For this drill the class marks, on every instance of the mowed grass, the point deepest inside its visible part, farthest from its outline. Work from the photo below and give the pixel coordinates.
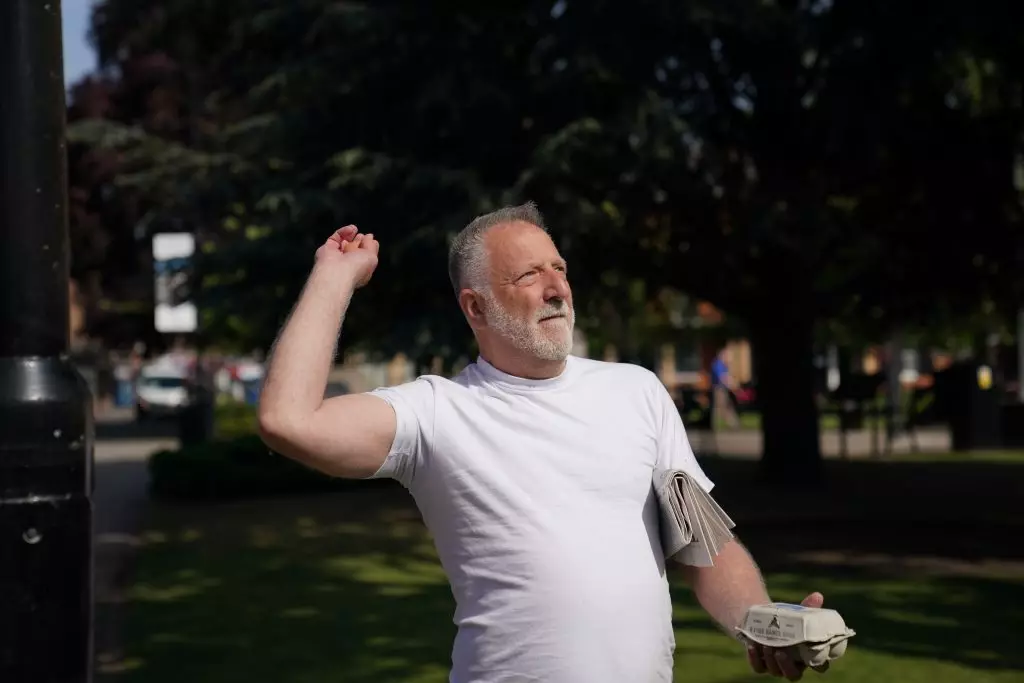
(347, 588)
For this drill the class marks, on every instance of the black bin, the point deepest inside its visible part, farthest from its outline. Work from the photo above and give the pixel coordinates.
(1012, 422)
(968, 400)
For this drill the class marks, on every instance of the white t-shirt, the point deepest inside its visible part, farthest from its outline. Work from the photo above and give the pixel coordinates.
(539, 496)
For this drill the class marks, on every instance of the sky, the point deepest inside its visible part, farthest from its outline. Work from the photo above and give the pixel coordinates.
(79, 57)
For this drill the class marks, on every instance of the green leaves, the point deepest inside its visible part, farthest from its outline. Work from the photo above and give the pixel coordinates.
(744, 153)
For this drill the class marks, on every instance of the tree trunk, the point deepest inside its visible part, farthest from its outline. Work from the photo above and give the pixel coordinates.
(783, 354)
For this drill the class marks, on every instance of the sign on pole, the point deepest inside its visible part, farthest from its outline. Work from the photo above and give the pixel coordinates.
(174, 311)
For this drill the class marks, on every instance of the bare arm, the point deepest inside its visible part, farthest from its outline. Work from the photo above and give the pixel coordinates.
(727, 590)
(346, 436)
(730, 587)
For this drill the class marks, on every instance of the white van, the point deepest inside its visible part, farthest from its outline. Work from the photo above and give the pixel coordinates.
(160, 390)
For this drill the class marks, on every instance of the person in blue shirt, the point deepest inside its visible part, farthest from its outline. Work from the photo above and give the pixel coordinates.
(722, 392)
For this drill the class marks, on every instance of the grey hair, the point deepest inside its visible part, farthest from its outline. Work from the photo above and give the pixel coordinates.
(467, 259)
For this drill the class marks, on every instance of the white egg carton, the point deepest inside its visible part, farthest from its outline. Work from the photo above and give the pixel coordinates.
(812, 635)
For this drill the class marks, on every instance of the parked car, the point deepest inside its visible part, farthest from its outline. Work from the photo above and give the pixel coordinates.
(160, 390)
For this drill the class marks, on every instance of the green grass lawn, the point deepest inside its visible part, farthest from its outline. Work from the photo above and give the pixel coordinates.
(347, 588)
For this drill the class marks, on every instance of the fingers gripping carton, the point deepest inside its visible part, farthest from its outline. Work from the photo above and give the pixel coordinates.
(814, 636)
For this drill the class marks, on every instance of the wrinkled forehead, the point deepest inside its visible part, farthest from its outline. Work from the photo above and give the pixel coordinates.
(516, 246)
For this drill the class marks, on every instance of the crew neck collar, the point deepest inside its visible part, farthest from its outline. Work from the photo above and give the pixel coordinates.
(495, 375)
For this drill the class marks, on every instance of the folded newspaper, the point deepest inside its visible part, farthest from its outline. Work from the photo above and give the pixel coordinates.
(813, 635)
(693, 526)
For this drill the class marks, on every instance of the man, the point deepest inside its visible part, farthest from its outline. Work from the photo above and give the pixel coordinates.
(532, 469)
(723, 390)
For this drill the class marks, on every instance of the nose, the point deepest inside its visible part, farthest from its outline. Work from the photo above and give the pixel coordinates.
(556, 287)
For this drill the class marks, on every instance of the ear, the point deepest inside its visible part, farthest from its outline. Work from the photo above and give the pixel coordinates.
(472, 305)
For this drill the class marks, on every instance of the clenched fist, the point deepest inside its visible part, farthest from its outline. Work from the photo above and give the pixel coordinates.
(348, 248)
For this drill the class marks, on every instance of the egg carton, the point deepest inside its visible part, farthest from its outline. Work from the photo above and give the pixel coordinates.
(813, 635)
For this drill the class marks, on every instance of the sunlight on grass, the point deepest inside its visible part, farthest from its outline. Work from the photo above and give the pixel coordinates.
(379, 568)
(260, 593)
(185, 584)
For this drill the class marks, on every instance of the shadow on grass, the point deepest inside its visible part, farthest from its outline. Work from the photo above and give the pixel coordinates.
(300, 596)
(347, 587)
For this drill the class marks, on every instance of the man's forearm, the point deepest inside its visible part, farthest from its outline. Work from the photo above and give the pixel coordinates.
(729, 588)
(304, 352)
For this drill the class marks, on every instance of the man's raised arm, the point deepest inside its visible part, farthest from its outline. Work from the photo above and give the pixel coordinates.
(345, 436)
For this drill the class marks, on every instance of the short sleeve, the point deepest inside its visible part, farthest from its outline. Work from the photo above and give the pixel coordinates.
(413, 403)
(674, 451)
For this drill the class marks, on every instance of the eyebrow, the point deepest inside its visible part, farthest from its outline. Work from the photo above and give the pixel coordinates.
(539, 264)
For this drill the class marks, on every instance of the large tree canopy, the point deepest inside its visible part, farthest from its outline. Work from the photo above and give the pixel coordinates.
(792, 162)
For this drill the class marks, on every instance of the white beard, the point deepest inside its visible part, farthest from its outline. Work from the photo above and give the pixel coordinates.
(549, 341)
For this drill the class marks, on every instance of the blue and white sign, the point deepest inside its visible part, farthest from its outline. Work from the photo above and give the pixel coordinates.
(174, 311)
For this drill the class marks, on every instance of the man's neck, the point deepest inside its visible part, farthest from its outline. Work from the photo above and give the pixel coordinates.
(525, 367)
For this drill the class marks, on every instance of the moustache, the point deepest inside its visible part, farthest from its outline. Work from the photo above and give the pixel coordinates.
(551, 310)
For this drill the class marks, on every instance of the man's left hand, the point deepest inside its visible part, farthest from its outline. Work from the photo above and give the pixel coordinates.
(776, 661)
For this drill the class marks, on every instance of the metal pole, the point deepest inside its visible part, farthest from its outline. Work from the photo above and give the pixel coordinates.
(46, 428)
(1020, 354)
(894, 390)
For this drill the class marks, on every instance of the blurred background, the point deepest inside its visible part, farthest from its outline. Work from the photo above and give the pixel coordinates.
(804, 216)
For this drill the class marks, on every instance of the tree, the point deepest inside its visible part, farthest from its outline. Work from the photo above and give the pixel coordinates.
(791, 162)
(109, 259)
(129, 125)
(800, 162)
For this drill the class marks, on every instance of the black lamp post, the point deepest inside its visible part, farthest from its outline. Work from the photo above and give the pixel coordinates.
(46, 427)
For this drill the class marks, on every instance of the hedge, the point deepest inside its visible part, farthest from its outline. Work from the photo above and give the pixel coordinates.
(242, 467)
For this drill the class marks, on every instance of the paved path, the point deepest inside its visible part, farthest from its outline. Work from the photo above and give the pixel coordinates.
(120, 495)
(746, 443)
(119, 501)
